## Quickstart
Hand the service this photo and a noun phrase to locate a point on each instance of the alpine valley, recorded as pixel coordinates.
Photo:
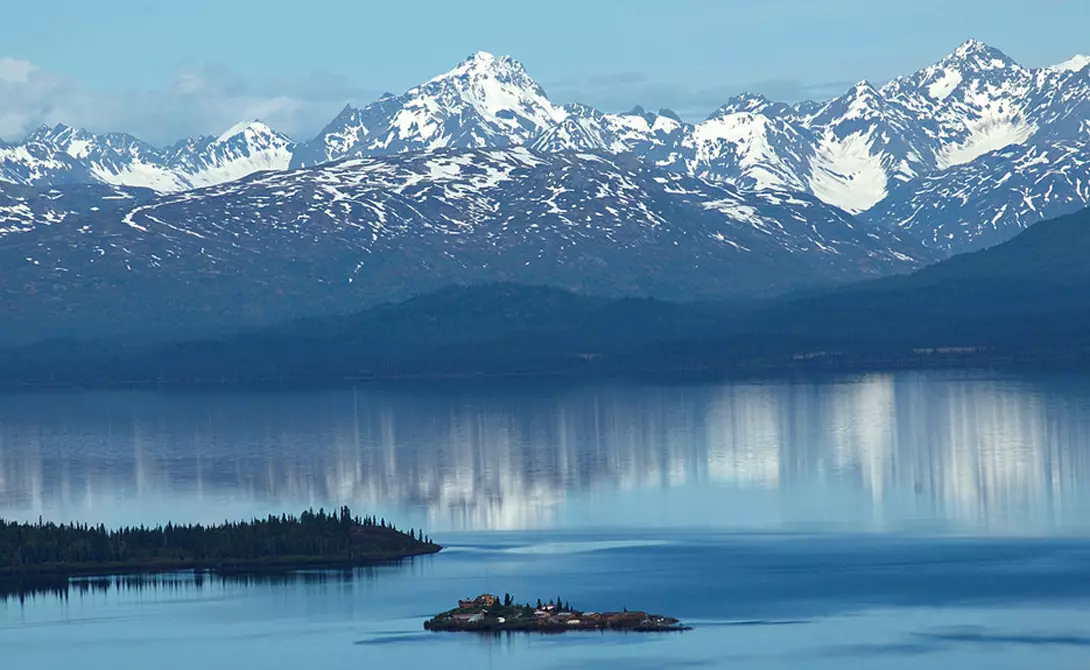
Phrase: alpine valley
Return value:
(476, 176)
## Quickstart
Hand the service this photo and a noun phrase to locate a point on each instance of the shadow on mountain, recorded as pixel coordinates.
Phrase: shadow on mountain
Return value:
(1026, 302)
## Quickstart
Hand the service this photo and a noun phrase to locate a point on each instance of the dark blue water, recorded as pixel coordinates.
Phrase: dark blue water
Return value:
(903, 521)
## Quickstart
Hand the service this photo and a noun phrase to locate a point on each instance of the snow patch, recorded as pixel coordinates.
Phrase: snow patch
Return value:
(991, 132)
(847, 174)
(79, 148)
(142, 175)
(277, 158)
(1074, 64)
(941, 88)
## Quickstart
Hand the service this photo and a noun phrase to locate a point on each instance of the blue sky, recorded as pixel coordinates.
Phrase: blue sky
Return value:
(172, 68)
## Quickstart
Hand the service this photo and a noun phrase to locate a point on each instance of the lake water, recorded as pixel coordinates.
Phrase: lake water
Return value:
(911, 520)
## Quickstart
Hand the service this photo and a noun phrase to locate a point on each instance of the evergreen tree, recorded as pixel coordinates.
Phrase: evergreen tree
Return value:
(322, 536)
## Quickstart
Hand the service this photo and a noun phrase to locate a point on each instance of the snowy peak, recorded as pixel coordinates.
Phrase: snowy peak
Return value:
(578, 109)
(974, 66)
(978, 56)
(499, 90)
(746, 102)
(492, 84)
(974, 101)
(253, 132)
(78, 143)
(861, 102)
(753, 103)
(486, 101)
(241, 150)
(485, 64)
(63, 154)
(850, 151)
(1077, 63)
(49, 134)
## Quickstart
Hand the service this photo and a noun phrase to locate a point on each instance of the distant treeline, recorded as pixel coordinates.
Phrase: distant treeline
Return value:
(312, 539)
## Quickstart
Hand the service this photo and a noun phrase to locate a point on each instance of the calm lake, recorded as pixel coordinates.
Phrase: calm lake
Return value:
(915, 520)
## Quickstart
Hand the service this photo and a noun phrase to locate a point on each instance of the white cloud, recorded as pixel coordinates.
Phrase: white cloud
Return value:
(198, 101)
(14, 70)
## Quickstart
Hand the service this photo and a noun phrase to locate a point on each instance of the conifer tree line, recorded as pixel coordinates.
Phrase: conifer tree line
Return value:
(321, 535)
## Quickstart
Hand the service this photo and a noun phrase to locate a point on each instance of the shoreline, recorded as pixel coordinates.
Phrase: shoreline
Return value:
(45, 552)
(610, 371)
(272, 565)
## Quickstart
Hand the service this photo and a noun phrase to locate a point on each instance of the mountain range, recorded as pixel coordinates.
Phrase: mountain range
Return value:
(476, 176)
(880, 150)
(354, 232)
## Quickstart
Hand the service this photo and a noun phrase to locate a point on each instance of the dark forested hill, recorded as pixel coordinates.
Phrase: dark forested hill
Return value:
(287, 542)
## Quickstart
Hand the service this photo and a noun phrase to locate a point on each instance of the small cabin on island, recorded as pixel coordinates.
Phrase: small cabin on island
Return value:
(483, 600)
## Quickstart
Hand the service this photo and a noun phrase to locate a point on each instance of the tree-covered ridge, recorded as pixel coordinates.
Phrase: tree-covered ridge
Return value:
(312, 539)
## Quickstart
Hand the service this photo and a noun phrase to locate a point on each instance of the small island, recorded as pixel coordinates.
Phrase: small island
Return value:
(312, 540)
(489, 614)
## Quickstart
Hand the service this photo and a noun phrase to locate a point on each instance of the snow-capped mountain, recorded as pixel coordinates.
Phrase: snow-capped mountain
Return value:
(856, 152)
(360, 231)
(241, 150)
(850, 151)
(486, 101)
(991, 199)
(66, 155)
(344, 133)
(973, 101)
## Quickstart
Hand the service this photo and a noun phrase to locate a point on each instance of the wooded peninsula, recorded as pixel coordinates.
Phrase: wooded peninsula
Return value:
(314, 540)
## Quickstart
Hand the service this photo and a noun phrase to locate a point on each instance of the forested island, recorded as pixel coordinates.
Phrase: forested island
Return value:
(489, 614)
(313, 540)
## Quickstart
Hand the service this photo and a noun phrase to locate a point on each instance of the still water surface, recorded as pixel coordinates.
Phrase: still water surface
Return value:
(911, 520)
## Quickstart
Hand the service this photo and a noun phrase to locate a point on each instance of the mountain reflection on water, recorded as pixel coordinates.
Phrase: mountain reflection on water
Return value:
(883, 451)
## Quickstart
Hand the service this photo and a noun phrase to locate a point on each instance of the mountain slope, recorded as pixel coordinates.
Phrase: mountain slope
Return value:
(24, 208)
(857, 151)
(66, 155)
(484, 102)
(356, 232)
(850, 151)
(993, 198)
(1023, 302)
